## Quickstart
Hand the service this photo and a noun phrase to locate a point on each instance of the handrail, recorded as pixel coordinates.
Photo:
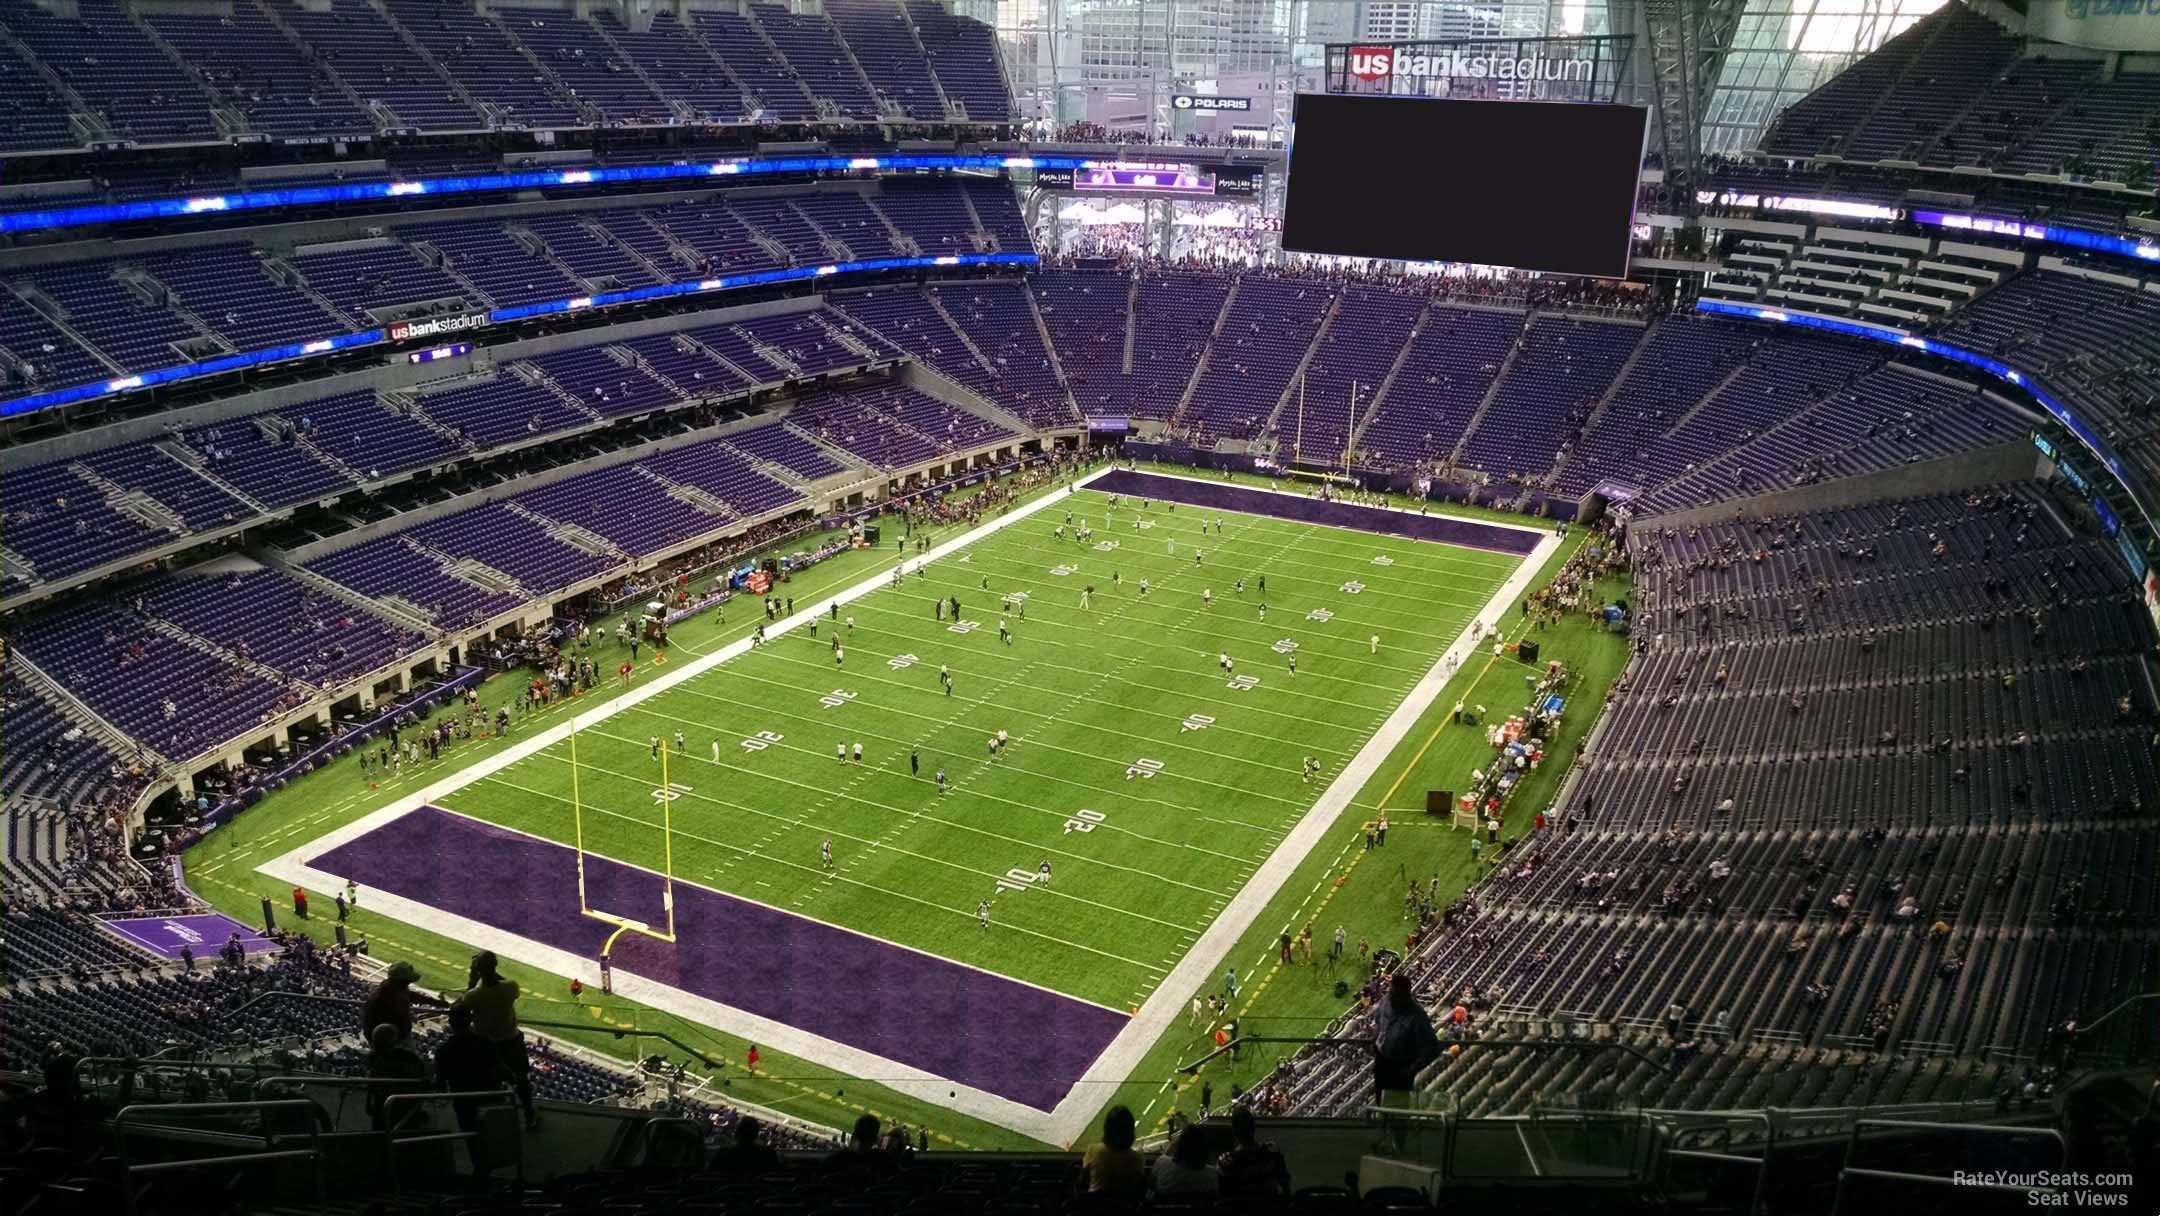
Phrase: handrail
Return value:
(128, 1168)
(393, 1142)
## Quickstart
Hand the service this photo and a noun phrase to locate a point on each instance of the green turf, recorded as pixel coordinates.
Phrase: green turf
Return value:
(1288, 999)
(1093, 700)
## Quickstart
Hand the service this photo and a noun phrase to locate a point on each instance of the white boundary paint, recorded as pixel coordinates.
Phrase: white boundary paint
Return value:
(1115, 1064)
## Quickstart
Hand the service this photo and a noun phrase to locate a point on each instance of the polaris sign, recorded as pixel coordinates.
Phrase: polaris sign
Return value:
(1195, 101)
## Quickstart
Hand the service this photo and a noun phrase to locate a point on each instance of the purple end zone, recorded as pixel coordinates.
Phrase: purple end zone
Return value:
(982, 1030)
(206, 934)
(1227, 497)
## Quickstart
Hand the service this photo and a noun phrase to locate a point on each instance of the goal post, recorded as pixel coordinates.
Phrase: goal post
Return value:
(665, 796)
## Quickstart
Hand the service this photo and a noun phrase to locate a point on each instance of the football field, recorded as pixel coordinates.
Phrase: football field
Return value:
(1158, 719)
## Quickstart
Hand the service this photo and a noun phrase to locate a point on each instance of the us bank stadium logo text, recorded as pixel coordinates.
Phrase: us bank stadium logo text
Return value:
(2079, 10)
(1376, 63)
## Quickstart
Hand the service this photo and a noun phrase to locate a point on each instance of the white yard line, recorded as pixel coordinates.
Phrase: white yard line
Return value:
(1198, 968)
(1116, 1063)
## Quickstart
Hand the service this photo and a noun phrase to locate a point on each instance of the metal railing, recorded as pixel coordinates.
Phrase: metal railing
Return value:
(135, 1116)
(394, 1142)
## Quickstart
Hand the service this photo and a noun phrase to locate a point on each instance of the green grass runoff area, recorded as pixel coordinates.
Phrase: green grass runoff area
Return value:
(1150, 779)
(1084, 696)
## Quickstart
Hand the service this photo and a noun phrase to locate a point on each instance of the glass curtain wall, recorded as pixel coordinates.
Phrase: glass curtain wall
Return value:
(1783, 49)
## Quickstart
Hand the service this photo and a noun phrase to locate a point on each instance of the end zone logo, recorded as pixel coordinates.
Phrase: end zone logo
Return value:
(1371, 62)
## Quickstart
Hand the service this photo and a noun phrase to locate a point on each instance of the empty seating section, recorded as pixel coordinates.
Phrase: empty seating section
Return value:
(847, 218)
(373, 437)
(276, 620)
(113, 317)
(804, 339)
(677, 65)
(686, 366)
(140, 471)
(813, 50)
(1089, 316)
(498, 411)
(603, 383)
(1560, 370)
(1454, 356)
(380, 275)
(998, 209)
(1270, 325)
(2012, 111)
(228, 288)
(1967, 51)
(1682, 359)
(394, 569)
(597, 259)
(2104, 131)
(963, 53)
(47, 756)
(774, 218)
(485, 254)
(376, 62)
(998, 319)
(573, 53)
(175, 696)
(727, 476)
(64, 523)
(488, 65)
(1346, 371)
(1779, 804)
(890, 425)
(2091, 341)
(883, 41)
(515, 544)
(636, 510)
(778, 444)
(259, 75)
(40, 354)
(1174, 315)
(906, 317)
(34, 116)
(265, 461)
(133, 90)
(1826, 118)
(778, 87)
(931, 213)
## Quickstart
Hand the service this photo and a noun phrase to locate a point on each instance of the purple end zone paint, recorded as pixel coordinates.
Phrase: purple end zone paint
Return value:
(207, 934)
(982, 1030)
(1229, 497)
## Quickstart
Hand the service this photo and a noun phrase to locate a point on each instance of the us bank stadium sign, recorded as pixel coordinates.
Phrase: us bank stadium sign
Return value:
(1587, 68)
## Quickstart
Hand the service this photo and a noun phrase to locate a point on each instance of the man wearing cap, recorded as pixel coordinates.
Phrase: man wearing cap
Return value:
(392, 1001)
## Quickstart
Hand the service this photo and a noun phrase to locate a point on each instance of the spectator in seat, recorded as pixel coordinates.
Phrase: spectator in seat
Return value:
(1251, 1170)
(1407, 1042)
(747, 1156)
(1185, 1169)
(1112, 1167)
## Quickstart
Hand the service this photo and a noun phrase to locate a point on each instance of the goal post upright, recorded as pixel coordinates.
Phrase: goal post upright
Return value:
(625, 924)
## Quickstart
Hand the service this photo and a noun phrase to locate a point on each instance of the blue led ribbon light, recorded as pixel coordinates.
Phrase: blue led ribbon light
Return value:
(301, 196)
(301, 350)
(1994, 367)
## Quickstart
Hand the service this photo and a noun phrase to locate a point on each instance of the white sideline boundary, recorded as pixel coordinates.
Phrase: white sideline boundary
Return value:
(1117, 1061)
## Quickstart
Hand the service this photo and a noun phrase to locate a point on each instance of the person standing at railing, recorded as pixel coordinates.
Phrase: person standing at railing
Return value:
(492, 1000)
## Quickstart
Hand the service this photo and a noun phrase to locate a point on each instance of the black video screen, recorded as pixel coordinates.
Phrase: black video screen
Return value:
(1537, 185)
